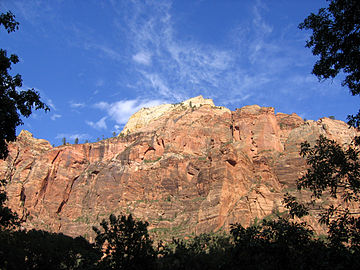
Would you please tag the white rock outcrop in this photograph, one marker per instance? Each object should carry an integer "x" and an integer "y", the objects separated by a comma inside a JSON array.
[{"x": 146, "y": 115}]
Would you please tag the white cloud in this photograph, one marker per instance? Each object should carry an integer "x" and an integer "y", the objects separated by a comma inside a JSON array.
[
  {"x": 117, "y": 128},
  {"x": 160, "y": 86},
  {"x": 121, "y": 111},
  {"x": 77, "y": 105},
  {"x": 106, "y": 51},
  {"x": 175, "y": 69},
  {"x": 51, "y": 104},
  {"x": 240, "y": 99},
  {"x": 179, "y": 69},
  {"x": 55, "y": 116},
  {"x": 262, "y": 27},
  {"x": 80, "y": 136},
  {"x": 142, "y": 58},
  {"x": 101, "y": 124},
  {"x": 246, "y": 67}
]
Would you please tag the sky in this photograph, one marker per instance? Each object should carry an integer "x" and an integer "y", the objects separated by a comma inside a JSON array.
[{"x": 95, "y": 63}]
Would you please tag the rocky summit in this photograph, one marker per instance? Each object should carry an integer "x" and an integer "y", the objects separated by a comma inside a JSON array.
[{"x": 185, "y": 168}]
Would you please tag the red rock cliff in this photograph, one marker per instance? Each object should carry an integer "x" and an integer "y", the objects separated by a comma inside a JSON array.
[{"x": 192, "y": 168}]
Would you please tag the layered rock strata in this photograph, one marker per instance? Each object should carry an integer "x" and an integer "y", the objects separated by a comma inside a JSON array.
[{"x": 185, "y": 168}]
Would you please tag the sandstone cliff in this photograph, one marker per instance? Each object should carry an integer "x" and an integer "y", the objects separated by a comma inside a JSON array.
[{"x": 186, "y": 168}]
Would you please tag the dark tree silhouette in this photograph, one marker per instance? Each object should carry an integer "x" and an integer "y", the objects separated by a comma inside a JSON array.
[
  {"x": 126, "y": 243},
  {"x": 14, "y": 103},
  {"x": 44, "y": 250},
  {"x": 8, "y": 219},
  {"x": 336, "y": 38},
  {"x": 333, "y": 168}
]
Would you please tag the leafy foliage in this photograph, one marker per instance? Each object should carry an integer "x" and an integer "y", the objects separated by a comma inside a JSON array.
[
  {"x": 205, "y": 251},
  {"x": 336, "y": 38},
  {"x": 43, "y": 250},
  {"x": 8, "y": 219},
  {"x": 295, "y": 208},
  {"x": 275, "y": 244},
  {"x": 331, "y": 168},
  {"x": 8, "y": 21},
  {"x": 13, "y": 103},
  {"x": 125, "y": 242},
  {"x": 270, "y": 244},
  {"x": 336, "y": 171}
]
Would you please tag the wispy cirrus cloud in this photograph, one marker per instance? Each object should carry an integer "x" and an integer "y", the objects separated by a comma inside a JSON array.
[
  {"x": 175, "y": 69},
  {"x": 100, "y": 124},
  {"x": 73, "y": 136},
  {"x": 105, "y": 50},
  {"x": 142, "y": 58},
  {"x": 160, "y": 63},
  {"x": 170, "y": 68},
  {"x": 55, "y": 116},
  {"x": 76, "y": 105},
  {"x": 121, "y": 111}
]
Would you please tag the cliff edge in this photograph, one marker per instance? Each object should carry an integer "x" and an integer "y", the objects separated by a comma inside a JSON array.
[{"x": 185, "y": 168}]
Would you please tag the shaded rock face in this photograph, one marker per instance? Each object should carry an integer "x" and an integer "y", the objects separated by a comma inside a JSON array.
[{"x": 189, "y": 170}]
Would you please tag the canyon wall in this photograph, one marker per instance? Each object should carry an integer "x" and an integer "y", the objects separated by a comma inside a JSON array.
[{"x": 185, "y": 168}]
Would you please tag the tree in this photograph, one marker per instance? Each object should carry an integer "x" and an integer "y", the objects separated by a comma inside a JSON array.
[
  {"x": 76, "y": 140},
  {"x": 125, "y": 242},
  {"x": 44, "y": 250},
  {"x": 63, "y": 140},
  {"x": 14, "y": 103},
  {"x": 8, "y": 219},
  {"x": 334, "y": 169},
  {"x": 335, "y": 39}
]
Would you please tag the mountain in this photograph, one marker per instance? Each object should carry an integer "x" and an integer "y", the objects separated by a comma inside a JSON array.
[{"x": 186, "y": 168}]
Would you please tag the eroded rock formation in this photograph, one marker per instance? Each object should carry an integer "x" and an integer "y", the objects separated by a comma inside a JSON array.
[{"x": 186, "y": 168}]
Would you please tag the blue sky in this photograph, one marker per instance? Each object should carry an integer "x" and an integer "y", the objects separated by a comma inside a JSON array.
[{"x": 97, "y": 62}]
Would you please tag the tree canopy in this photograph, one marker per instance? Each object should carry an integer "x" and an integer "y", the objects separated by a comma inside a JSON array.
[
  {"x": 336, "y": 38},
  {"x": 126, "y": 243},
  {"x": 334, "y": 168},
  {"x": 14, "y": 103}
]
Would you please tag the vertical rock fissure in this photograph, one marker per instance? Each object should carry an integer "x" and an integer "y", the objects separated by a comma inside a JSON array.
[
  {"x": 12, "y": 166},
  {"x": 43, "y": 188},
  {"x": 232, "y": 126},
  {"x": 67, "y": 196},
  {"x": 56, "y": 156}
]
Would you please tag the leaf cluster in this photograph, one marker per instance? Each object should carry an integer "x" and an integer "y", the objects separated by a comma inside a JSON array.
[
  {"x": 336, "y": 38},
  {"x": 331, "y": 168},
  {"x": 8, "y": 21},
  {"x": 14, "y": 103},
  {"x": 8, "y": 219},
  {"x": 125, "y": 243},
  {"x": 36, "y": 249}
]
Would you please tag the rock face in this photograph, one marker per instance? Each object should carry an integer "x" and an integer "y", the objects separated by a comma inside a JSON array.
[
  {"x": 146, "y": 115},
  {"x": 186, "y": 168}
]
